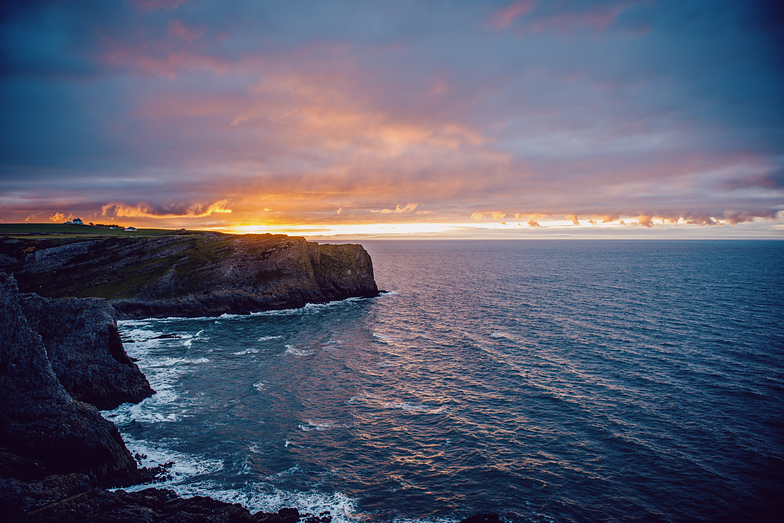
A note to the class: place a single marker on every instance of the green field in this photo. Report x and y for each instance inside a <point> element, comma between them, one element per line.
<point>67,230</point>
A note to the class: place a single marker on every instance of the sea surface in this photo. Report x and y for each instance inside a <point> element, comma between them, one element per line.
<point>541,380</point>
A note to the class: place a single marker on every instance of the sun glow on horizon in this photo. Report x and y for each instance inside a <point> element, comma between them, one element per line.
<point>522,228</point>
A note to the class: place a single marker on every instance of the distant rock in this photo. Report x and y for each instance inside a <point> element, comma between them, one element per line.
<point>191,274</point>
<point>85,350</point>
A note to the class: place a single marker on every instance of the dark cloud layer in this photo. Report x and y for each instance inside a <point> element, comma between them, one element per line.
<point>290,111</point>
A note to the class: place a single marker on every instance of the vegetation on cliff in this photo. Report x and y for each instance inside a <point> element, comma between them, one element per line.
<point>188,274</point>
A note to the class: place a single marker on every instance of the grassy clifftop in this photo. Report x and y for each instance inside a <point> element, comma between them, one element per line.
<point>194,273</point>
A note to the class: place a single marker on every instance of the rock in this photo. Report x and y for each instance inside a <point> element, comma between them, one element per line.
<point>39,421</point>
<point>483,518</point>
<point>193,274</point>
<point>57,453</point>
<point>71,498</point>
<point>85,350</point>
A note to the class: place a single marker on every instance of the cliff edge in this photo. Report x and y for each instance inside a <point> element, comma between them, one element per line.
<point>190,274</point>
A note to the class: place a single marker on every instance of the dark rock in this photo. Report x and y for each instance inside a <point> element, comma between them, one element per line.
<point>483,518</point>
<point>72,498</point>
<point>85,350</point>
<point>56,453</point>
<point>193,274</point>
<point>39,421</point>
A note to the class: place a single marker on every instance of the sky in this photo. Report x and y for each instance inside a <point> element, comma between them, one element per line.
<point>421,118</point>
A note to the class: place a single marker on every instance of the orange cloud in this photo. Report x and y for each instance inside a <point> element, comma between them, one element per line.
<point>408,208</point>
<point>492,215</point>
<point>645,221</point>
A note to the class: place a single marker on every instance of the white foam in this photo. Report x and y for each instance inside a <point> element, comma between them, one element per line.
<point>270,499</point>
<point>259,386</point>
<point>309,308</point>
<point>168,361</point>
<point>291,349</point>
<point>319,425</point>
<point>268,338</point>
<point>185,466</point>
<point>246,351</point>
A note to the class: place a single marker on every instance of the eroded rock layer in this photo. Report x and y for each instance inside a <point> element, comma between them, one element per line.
<point>190,274</point>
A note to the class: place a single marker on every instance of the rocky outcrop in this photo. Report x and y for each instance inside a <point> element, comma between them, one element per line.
<point>40,423</point>
<point>57,453</point>
<point>196,274</point>
<point>59,499</point>
<point>85,350</point>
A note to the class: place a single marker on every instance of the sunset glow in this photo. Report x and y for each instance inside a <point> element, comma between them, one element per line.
<point>519,119</point>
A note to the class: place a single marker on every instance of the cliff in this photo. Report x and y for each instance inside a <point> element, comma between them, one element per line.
<point>42,428</point>
<point>190,274</point>
<point>84,348</point>
<point>57,452</point>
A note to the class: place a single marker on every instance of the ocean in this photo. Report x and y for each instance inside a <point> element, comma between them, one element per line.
<point>549,381</point>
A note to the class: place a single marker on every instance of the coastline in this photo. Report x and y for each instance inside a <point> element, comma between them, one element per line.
<point>62,359</point>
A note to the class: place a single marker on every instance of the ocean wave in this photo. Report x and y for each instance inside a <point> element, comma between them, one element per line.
<point>147,410</point>
<point>291,349</point>
<point>185,466</point>
<point>308,308</point>
<point>169,361</point>
<point>246,351</point>
<point>318,425</point>
<point>259,497</point>
<point>268,338</point>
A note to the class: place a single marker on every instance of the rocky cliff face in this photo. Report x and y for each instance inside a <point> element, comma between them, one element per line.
<point>84,348</point>
<point>56,452</point>
<point>196,274</point>
<point>42,428</point>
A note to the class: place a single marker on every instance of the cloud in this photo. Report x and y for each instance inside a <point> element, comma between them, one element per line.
<point>505,17</point>
<point>58,217</point>
<point>152,5</point>
<point>645,221</point>
<point>177,28</point>
<point>558,109</point>
<point>144,210</point>
<point>491,215</point>
<point>597,17</point>
<point>408,208</point>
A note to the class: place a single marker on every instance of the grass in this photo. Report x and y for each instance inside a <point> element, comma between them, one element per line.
<point>62,230</point>
<point>116,264</point>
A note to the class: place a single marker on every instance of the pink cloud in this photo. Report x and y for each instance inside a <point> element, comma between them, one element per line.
<point>503,18</point>
<point>177,28</point>
<point>598,17</point>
